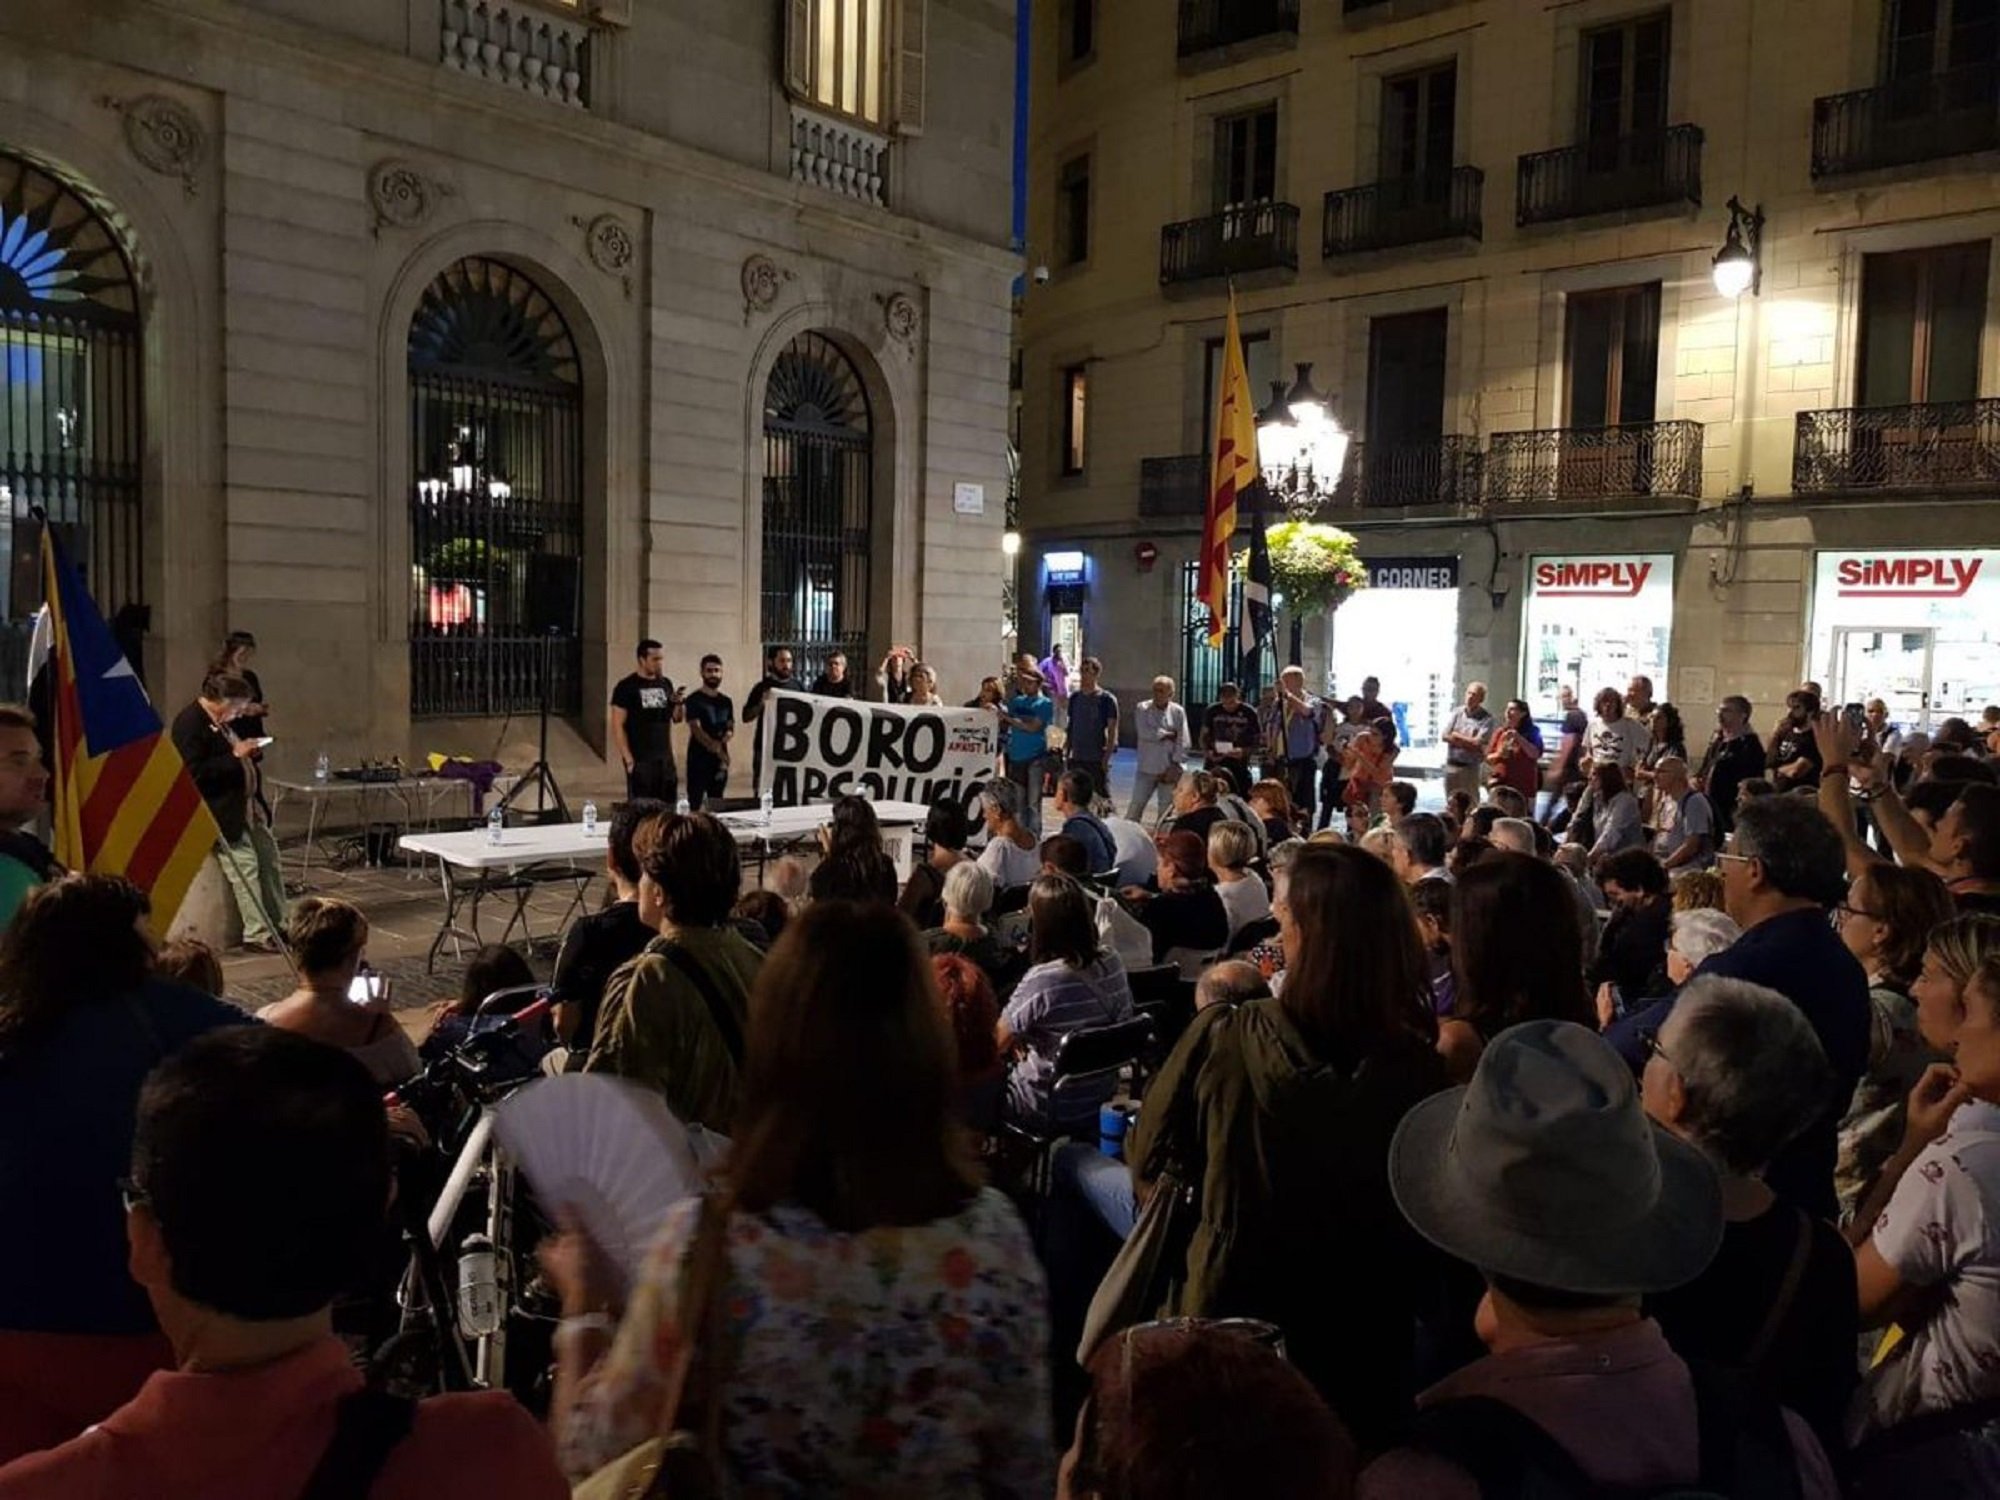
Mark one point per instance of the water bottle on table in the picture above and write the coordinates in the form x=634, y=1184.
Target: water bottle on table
x=589, y=819
x=322, y=768
x=496, y=824
x=764, y=808
x=680, y=807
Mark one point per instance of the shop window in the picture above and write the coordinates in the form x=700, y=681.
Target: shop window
x=1075, y=412
x=1246, y=158
x=1260, y=360
x=1073, y=212
x=1611, y=356
x=1419, y=129
x=859, y=58
x=1922, y=315
x=1622, y=96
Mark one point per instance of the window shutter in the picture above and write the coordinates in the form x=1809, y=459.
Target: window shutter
x=909, y=95
x=798, y=44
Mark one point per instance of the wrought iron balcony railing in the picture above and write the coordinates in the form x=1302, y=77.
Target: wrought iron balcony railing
x=1636, y=461
x=1403, y=211
x=1927, y=118
x=1393, y=475
x=1938, y=445
x=1645, y=169
x=1249, y=237
x=1208, y=24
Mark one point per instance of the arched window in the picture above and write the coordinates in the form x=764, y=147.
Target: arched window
x=496, y=498
x=819, y=460
x=70, y=439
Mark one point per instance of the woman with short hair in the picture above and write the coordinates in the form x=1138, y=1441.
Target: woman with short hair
x=1011, y=856
x=328, y=939
x=967, y=897
x=1737, y=1072
x=1196, y=803
x=1694, y=937
x=886, y=1328
x=1282, y=1111
x=1231, y=846
x=1073, y=983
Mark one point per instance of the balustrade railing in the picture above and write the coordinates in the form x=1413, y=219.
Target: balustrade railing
x=517, y=46
x=839, y=155
x=1938, y=445
x=1636, y=461
x=1249, y=237
x=1926, y=118
x=1644, y=169
x=1403, y=211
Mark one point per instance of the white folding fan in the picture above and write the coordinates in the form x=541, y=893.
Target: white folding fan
x=610, y=1152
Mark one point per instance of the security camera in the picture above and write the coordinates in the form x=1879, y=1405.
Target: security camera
x=1041, y=275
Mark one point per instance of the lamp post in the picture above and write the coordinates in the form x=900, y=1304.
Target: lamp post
x=1736, y=266
x=1301, y=445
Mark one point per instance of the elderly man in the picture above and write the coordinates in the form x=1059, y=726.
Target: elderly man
x=1787, y=870
x=1163, y=742
x=1229, y=983
x=1301, y=721
x=1683, y=821
x=1465, y=741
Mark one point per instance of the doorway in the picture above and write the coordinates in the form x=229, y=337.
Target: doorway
x=1886, y=662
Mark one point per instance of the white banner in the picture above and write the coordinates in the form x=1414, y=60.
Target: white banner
x=816, y=749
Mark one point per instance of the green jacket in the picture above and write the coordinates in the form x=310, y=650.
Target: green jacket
x=655, y=1027
x=1296, y=1225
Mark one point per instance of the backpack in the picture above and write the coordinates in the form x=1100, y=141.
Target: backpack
x=1745, y=1449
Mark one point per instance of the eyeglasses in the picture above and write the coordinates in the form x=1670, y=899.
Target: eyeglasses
x=131, y=1194
x=1843, y=911
x=1650, y=1040
x=1734, y=859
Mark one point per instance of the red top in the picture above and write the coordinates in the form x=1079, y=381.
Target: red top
x=257, y=1434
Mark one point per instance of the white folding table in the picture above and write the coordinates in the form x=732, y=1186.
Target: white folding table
x=318, y=794
x=531, y=856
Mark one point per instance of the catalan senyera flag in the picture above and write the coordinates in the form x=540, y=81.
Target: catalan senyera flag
x=1235, y=471
x=124, y=802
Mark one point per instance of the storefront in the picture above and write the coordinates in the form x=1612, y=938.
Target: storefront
x=1065, y=593
x=1595, y=622
x=1403, y=628
x=1918, y=629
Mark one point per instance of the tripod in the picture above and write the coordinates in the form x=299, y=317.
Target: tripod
x=539, y=776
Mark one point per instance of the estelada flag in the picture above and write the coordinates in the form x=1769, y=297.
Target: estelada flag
x=1235, y=471
x=124, y=802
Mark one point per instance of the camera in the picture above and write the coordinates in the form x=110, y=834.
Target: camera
x=1041, y=274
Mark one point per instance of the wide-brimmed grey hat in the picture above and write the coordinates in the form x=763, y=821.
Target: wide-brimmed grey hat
x=1546, y=1169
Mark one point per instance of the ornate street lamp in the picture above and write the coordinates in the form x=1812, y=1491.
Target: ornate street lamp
x=1301, y=445
x=1735, y=265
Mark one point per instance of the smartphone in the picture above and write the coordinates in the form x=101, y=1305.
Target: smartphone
x=366, y=989
x=1857, y=723
x=260, y=741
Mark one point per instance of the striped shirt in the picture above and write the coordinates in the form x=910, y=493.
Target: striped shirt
x=1051, y=1001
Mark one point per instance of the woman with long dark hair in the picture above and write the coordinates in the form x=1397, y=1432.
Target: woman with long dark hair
x=83, y=1019
x=1074, y=982
x=886, y=1327
x=854, y=865
x=1517, y=955
x=1280, y=1113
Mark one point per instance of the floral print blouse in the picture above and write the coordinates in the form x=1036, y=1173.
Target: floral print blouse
x=904, y=1361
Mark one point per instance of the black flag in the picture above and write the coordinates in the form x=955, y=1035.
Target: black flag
x=1257, y=622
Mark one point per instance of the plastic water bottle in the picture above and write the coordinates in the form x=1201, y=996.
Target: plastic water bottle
x=322, y=768
x=589, y=819
x=478, y=1287
x=680, y=807
x=496, y=824
x=764, y=808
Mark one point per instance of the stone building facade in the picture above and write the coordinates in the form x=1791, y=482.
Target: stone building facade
x=1491, y=226
x=436, y=340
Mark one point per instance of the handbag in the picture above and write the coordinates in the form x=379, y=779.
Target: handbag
x=683, y=1461
x=1143, y=1272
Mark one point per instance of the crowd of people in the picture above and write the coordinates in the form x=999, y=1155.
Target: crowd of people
x=1630, y=1124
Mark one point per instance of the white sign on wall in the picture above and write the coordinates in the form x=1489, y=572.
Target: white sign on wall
x=1594, y=622
x=969, y=499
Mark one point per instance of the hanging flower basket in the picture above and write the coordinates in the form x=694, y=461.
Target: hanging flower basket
x=1317, y=568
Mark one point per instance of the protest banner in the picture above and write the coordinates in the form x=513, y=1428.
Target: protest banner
x=817, y=749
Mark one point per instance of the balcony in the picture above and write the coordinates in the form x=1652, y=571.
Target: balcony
x=1953, y=113
x=1208, y=24
x=1394, y=476
x=1403, y=211
x=839, y=156
x=1636, y=461
x=544, y=55
x=1613, y=174
x=1939, y=445
x=1235, y=242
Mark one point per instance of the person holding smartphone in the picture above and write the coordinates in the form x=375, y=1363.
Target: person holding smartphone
x=644, y=708
x=219, y=759
x=339, y=1000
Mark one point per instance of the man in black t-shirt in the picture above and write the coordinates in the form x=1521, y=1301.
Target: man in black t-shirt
x=644, y=709
x=833, y=683
x=711, y=721
x=1793, y=757
x=596, y=945
x=777, y=674
x=1229, y=733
